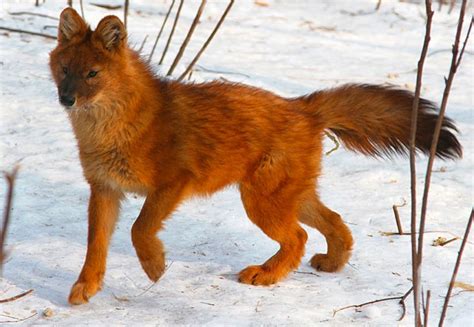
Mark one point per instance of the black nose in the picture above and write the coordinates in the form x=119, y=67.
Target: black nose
x=67, y=101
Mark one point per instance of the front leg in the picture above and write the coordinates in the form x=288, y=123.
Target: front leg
x=158, y=206
x=104, y=206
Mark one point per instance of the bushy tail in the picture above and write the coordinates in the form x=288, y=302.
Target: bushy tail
x=375, y=120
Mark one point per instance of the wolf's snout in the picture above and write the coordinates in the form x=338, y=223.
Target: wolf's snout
x=67, y=100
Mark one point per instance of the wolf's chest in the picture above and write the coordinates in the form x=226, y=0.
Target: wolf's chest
x=113, y=168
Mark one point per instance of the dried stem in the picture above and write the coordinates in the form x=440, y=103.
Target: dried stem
x=125, y=13
x=18, y=13
x=161, y=31
x=172, y=31
x=82, y=9
x=336, y=143
x=105, y=6
x=10, y=177
x=426, y=308
x=414, y=119
x=397, y=216
x=16, y=297
x=456, y=268
x=200, y=52
x=143, y=44
x=465, y=42
x=454, y=65
x=400, y=298
x=28, y=32
x=187, y=38
x=379, y=2
x=451, y=6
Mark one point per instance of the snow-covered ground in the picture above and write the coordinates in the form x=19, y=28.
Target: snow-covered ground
x=292, y=48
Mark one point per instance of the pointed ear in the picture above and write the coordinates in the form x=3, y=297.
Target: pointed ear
x=71, y=25
x=111, y=33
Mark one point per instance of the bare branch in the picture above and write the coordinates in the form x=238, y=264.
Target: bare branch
x=464, y=44
x=200, y=52
x=397, y=216
x=16, y=297
x=455, y=271
x=82, y=9
x=27, y=32
x=125, y=13
x=414, y=119
x=143, y=44
x=454, y=65
x=379, y=2
x=426, y=308
x=18, y=13
x=105, y=6
x=187, y=38
x=10, y=177
x=334, y=139
x=400, y=298
x=172, y=32
x=161, y=31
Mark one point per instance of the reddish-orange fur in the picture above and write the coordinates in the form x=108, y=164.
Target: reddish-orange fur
x=169, y=141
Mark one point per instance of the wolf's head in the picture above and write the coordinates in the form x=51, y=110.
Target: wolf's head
x=87, y=63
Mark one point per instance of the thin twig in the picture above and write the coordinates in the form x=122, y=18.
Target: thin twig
x=334, y=139
x=400, y=298
x=10, y=177
x=143, y=44
x=414, y=118
x=434, y=144
x=379, y=2
x=125, y=13
x=455, y=271
x=19, y=13
x=18, y=319
x=208, y=70
x=397, y=215
x=105, y=6
x=27, y=32
x=161, y=31
x=16, y=297
x=82, y=9
x=187, y=38
x=426, y=308
x=451, y=6
x=172, y=31
x=204, y=46
x=465, y=42
x=402, y=303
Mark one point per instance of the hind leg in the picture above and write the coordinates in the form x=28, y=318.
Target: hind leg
x=337, y=234
x=276, y=215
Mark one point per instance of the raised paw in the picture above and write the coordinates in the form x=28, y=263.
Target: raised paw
x=325, y=263
x=258, y=275
x=82, y=291
x=154, y=268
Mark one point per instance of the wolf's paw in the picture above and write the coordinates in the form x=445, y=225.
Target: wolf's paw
x=82, y=291
x=154, y=268
x=258, y=275
x=325, y=263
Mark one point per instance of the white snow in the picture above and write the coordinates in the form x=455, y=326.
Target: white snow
x=291, y=48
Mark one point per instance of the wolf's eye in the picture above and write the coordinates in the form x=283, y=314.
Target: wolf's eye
x=91, y=74
x=65, y=70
